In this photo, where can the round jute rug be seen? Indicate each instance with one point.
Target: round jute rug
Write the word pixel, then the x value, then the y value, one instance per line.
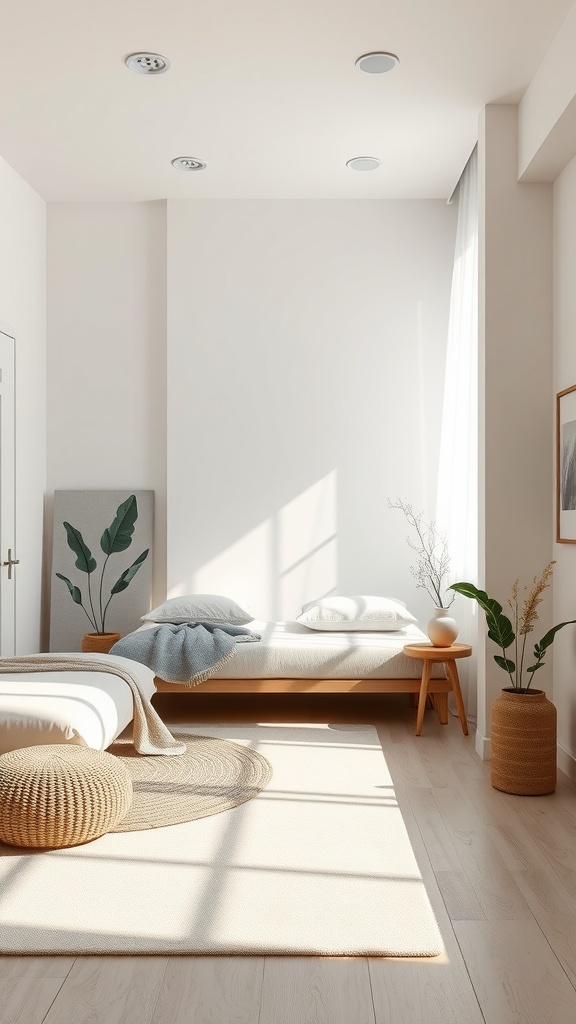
pixel 213 776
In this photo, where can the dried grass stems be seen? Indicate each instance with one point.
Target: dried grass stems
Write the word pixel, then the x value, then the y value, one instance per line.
pixel 432 566
pixel 524 617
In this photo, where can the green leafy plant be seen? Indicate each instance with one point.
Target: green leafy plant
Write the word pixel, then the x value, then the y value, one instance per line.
pixel 505 632
pixel 116 538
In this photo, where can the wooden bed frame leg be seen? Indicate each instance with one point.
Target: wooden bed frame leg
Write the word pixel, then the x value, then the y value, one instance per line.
pixel 414 700
pixel 441 707
pixel 454 679
pixel 423 696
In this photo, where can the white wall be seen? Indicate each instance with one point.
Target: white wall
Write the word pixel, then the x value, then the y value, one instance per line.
pixel 306 345
pixel 23 312
pixel 547 148
pixel 565 377
pixel 515 408
pixel 304 377
pixel 547 110
pixel 106 353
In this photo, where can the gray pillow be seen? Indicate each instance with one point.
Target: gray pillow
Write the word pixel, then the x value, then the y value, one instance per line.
pixel 199 608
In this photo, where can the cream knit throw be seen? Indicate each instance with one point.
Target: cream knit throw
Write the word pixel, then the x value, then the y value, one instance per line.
pixel 150 734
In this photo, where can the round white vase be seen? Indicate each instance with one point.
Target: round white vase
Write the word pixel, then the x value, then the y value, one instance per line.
pixel 442 629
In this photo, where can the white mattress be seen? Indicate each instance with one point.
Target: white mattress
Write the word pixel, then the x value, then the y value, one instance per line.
pixel 291 650
pixel 86 708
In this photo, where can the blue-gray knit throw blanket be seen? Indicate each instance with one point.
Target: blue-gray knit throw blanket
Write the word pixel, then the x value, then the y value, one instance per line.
pixel 188 653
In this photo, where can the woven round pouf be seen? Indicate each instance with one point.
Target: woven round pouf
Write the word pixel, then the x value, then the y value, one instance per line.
pixel 56 795
pixel 523 743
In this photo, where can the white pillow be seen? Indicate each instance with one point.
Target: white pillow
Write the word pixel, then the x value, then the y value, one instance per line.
pixel 358 612
pixel 199 608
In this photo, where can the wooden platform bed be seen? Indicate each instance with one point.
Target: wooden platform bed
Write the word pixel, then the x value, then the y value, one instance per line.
pixel 428 673
pixel 437 689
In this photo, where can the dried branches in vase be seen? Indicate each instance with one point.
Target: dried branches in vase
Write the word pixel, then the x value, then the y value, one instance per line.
pixel 433 564
pixel 431 570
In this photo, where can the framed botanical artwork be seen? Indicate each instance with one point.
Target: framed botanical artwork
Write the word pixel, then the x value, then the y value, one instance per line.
pixel 566 466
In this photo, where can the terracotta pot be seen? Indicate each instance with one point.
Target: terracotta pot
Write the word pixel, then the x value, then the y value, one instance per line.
pixel 523 758
pixel 442 628
pixel 99 642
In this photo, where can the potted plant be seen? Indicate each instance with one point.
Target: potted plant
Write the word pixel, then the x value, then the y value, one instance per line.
pixel 430 571
pixel 116 538
pixel 523 720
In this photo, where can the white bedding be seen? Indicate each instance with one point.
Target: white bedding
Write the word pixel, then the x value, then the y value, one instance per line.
pixel 86 708
pixel 290 650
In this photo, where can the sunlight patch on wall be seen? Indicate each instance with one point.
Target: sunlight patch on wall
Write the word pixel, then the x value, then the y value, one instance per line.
pixel 242 571
pixel 286 560
pixel 307 546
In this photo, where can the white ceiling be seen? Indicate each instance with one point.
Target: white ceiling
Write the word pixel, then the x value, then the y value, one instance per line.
pixel 265 91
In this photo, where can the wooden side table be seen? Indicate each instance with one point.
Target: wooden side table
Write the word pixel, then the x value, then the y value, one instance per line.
pixel 446 655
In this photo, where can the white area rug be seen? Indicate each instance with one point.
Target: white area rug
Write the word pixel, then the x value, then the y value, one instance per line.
pixel 318 863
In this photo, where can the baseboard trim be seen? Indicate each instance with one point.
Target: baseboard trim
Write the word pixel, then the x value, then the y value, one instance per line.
pixel 483 746
pixel 567 762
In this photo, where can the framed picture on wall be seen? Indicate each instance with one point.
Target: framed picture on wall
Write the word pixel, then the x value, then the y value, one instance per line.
pixel 566 466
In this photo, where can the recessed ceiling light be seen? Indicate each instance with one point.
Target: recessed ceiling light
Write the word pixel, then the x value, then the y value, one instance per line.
pixel 377 63
pixel 363 163
pixel 147 63
pixel 188 163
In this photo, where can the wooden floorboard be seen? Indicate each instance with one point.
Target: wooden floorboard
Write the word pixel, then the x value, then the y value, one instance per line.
pixel 302 990
pixel 198 990
pixel 433 990
pixel 28 1000
pixel 29 985
pixel 515 974
pixel 500 872
pixel 109 990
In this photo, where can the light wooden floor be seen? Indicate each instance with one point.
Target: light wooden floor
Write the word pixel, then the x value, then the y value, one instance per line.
pixel 500 872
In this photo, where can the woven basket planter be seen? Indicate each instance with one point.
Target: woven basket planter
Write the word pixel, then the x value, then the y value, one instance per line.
pixel 523 758
pixel 57 795
pixel 100 643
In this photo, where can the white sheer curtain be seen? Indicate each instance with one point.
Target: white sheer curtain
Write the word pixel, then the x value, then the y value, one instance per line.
pixel 457 495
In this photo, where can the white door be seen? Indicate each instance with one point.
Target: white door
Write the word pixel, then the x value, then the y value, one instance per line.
pixel 8 560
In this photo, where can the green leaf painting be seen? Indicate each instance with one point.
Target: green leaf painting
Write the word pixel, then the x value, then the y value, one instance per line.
pixel 118 536
pixel 75 593
pixel 129 573
pixel 85 560
pixel 115 539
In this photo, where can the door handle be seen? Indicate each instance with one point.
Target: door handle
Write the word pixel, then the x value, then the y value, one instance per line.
pixel 11 561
